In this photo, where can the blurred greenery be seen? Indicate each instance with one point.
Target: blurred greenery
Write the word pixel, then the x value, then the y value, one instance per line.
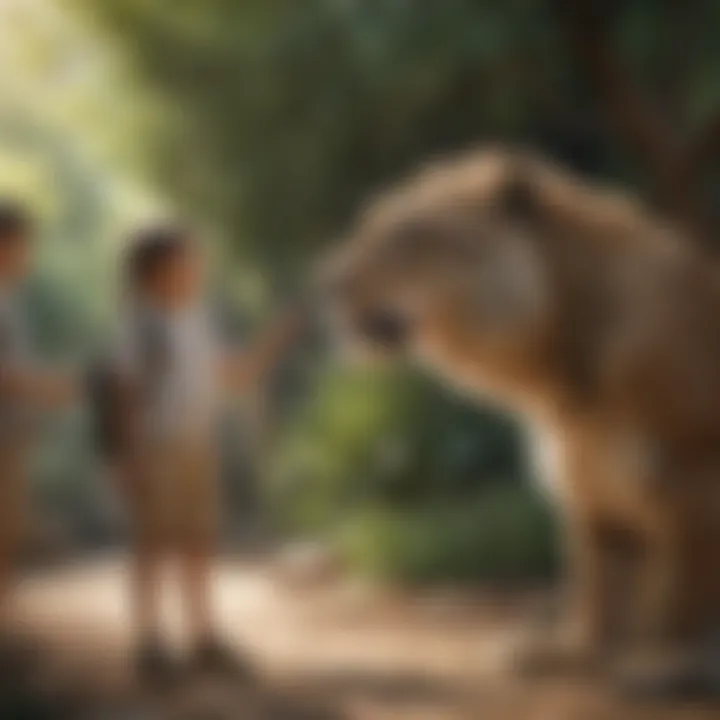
pixel 386 437
pixel 503 534
pixel 268 124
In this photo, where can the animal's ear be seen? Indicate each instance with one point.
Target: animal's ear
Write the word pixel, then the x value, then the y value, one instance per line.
pixel 519 198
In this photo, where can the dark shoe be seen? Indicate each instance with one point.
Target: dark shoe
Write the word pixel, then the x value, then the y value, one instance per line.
pixel 213 657
pixel 155 667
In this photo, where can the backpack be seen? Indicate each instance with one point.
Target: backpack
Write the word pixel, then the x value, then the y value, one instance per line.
pixel 114 400
pixel 104 395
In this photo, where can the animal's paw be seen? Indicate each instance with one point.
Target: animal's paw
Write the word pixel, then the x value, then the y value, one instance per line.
pixel 563 652
pixel 674 676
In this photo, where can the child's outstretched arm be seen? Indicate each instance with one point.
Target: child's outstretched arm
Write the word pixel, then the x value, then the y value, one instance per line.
pixel 38 385
pixel 253 364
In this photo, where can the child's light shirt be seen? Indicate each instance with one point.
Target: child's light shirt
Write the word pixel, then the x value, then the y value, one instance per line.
pixel 176 357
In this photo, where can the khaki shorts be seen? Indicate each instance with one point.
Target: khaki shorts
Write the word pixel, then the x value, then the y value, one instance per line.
pixel 14 502
pixel 174 496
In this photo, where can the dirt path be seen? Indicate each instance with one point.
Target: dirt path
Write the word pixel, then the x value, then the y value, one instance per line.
pixel 322 654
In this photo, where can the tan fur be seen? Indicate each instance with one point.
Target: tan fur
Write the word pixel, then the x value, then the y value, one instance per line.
pixel 582 312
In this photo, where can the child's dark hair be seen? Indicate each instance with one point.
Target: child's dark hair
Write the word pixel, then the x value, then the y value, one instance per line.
pixel 15 221
pixel 150 249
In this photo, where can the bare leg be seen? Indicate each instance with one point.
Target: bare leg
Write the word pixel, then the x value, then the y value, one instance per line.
pixel 18 654
pixel 15 655
pixel 211 654
pixel 146 587
pixel 7 583
pixel 196 568
pixel 153 663
pixel 14 525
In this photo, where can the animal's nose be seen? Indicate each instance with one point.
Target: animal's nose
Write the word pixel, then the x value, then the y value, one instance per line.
pixel 384 327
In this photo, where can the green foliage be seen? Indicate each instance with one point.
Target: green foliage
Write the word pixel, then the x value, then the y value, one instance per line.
pixel 408 484
pixel 287 113
pixel 386 437
pixel 278 118
pixel 504 533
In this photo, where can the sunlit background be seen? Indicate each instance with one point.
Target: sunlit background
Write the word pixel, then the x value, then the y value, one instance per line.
pixel 267 124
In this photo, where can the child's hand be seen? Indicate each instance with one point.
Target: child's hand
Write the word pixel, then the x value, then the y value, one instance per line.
pixel 259 360
pixel 39 386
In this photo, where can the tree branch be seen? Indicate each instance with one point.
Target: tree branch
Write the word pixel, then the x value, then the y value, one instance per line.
pixel 677 169
pixel 634 118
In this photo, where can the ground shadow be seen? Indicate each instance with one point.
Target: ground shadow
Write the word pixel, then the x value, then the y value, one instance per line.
pixel 27 693
pixel 387 687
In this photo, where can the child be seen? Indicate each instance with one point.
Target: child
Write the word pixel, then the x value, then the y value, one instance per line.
pixel 25 388
pixel 173 372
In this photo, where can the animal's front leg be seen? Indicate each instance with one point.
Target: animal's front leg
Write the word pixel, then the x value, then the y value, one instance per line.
pixel 579 641
pixel 678 602
pixel 676 618
pixel 589 607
